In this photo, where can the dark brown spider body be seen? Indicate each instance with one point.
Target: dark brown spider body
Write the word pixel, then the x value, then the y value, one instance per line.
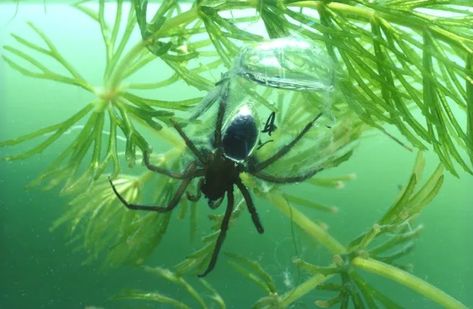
pixel 221 174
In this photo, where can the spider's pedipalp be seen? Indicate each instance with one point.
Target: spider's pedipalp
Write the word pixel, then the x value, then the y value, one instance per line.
pixel 195 197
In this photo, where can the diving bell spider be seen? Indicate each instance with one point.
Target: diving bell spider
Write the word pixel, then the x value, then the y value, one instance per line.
pixel 219 170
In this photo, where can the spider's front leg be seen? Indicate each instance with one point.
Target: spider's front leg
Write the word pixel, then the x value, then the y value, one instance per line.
pixel 202 158
pixel 220 115
pixel 223 232
pixel 191 172
pixel 161 170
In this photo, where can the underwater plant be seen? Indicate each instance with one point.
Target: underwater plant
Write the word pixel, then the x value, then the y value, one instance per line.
pixel 400 67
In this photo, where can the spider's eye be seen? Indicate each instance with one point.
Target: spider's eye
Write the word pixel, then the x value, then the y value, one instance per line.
pixel 240 135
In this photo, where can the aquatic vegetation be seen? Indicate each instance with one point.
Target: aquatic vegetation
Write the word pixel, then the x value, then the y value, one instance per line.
pixel 115 106
pixel 377 250
pixel 398 55
pixel 170 277
pixel 401 67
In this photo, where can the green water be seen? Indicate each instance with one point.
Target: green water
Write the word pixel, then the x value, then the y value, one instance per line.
pixel 41 269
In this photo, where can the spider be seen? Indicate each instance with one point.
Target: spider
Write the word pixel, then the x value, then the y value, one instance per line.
pixel 219 169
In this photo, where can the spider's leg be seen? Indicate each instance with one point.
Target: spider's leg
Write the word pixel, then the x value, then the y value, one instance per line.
pixel 288 179
pixel 164 171
pixel 251 206
pixel 172 203
pixel 223 232
pixel 281 152
pixel 188 142
pixel 221 113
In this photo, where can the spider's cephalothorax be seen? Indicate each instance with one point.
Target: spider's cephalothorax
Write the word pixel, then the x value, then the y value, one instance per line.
pixel 219 169
pixel 220 174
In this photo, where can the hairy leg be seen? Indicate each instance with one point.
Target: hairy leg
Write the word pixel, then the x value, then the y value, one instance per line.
pixel 251 206
pixel 221 113
pixel 223 232
pixel 172 203
pixel 285 149
pixel 188 142
pixel 164 171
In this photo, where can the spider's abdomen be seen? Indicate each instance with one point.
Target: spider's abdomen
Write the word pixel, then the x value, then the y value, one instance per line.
pixel 240 135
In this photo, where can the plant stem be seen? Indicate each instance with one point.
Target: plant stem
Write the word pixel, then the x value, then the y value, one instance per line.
pixel 180 19
pixel 303 289
pixel 183 18
pixel 310 227
pixel 117 75
pixel 414 283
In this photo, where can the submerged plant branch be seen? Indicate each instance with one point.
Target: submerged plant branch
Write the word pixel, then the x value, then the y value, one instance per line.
pixel 318 233
pixel 115 107
pixel 304 288
pixel 379 260
pixel 415 283
pixel 429 74
pixel 212 297
pixel 411 59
